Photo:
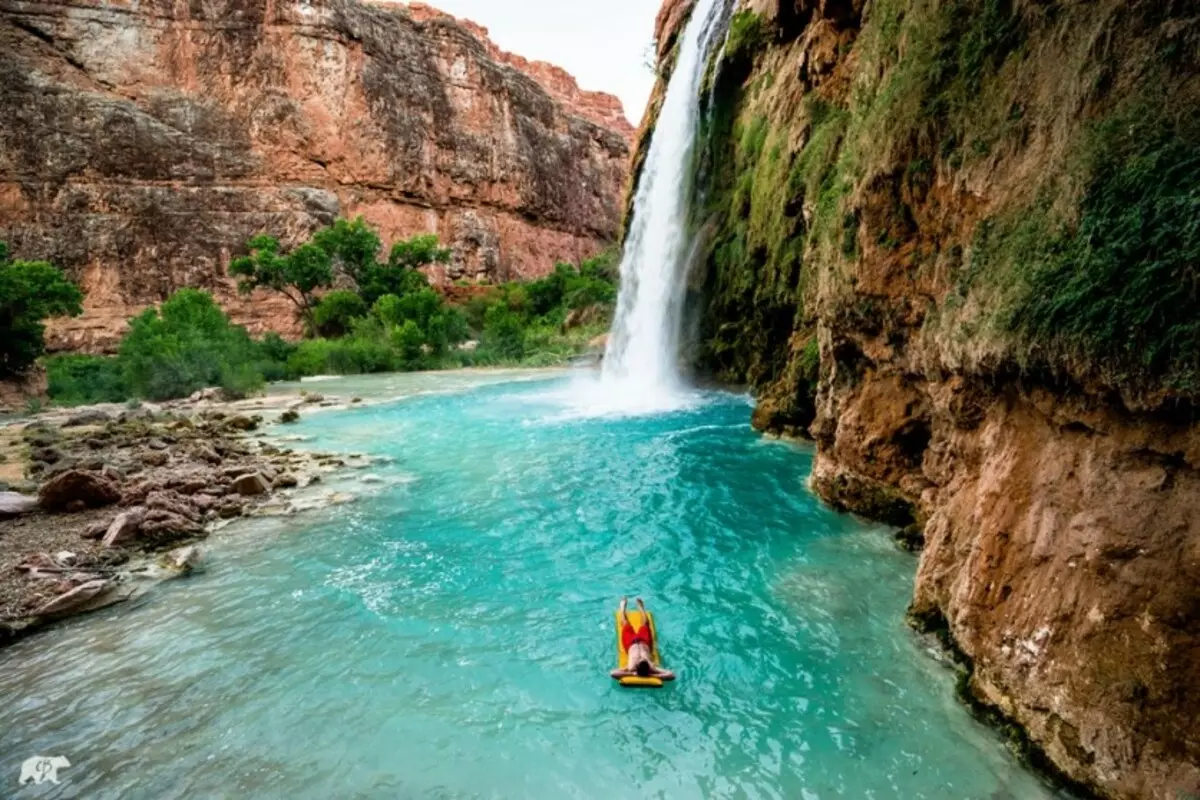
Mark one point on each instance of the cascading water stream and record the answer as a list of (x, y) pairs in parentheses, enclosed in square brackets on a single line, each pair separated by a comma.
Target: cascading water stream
[(641, 364)]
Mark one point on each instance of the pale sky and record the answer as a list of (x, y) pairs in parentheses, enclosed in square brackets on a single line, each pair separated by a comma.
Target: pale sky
[(605, 44)]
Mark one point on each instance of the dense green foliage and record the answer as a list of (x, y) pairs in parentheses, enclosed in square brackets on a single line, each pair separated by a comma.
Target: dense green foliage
[(298, 276), (748, 33), (79, 379), (30, 293), (391, 320), (354, 248), (185, 345), (336, 311), (1118, 289)]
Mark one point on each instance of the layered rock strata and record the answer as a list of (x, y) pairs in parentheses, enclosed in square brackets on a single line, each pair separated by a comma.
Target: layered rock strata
[(141, 144)]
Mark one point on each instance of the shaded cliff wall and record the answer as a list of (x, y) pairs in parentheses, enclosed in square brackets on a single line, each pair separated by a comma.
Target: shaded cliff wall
[(141, 144), (955, 243)]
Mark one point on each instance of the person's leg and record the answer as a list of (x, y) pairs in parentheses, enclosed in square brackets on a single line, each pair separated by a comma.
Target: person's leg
[(646, 630)]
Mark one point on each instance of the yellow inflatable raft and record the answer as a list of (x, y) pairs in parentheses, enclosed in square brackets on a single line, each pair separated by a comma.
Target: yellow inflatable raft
[(635, 619)]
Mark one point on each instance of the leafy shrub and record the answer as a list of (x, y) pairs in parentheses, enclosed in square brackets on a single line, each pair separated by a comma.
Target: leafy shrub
[(30, 292), (503, 333), (409, 340), (80, 379), (335, 312), (187, 344)]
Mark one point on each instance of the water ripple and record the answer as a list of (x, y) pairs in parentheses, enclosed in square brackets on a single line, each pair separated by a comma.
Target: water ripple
[(451, 637)]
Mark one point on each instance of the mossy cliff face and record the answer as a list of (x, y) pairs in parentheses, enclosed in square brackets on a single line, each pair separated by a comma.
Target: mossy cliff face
[(955, 242)]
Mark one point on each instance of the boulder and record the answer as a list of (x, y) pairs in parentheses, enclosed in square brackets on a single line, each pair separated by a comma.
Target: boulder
[(174, 502), (82, 598), (137, 494), (97, 529), (314, 398), (231, 507), (251, 485), (207, 454), (210, 395), (156, 458), (243, 423), (286, 481), (88, 488), (124, 529), (184, 559), (13, 504), (40, 435), (90, 417), (46, 455), (163, 526)]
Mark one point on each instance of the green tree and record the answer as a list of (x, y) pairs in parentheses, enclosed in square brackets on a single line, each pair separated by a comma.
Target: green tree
[(353, 246), (409, 340), (30, 293), (335, 312), (546, 294), (504, 333), (402, 274), (186, 345), (297, 276)]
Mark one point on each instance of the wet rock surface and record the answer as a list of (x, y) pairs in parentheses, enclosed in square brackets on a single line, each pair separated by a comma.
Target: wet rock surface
[(140, 483)]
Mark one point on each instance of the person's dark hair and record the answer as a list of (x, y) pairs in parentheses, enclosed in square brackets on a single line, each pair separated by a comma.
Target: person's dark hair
[(643, 669)]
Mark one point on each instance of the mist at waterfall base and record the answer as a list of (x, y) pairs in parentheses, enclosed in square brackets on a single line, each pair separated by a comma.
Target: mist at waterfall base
[(640, 372), (450, 633)]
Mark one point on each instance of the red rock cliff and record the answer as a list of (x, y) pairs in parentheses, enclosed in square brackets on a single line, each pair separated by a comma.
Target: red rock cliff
[(954, 242), (141, 144)]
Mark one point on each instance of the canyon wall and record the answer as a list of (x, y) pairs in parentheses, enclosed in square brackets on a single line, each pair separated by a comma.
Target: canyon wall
[(142, 144), (955, 243)]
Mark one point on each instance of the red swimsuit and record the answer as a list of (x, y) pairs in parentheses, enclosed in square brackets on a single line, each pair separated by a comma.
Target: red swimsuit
[(629, 636)]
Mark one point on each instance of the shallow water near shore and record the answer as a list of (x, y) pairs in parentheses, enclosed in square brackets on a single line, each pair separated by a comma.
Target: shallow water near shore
[(450, 634)]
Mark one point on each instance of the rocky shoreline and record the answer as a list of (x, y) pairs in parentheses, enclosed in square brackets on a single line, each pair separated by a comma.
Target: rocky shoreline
[(99, 504)]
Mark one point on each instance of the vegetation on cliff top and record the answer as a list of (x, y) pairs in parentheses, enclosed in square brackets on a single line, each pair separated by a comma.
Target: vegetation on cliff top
[(1090, 269), (1118, 287)]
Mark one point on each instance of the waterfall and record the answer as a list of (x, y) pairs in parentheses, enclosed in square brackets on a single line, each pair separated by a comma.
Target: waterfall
[(642, 361)]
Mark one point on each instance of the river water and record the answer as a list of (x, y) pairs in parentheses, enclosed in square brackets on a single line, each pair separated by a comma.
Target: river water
[(449, 634)]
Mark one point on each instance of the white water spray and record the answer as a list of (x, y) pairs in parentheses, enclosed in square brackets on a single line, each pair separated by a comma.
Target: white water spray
[(641, 367)]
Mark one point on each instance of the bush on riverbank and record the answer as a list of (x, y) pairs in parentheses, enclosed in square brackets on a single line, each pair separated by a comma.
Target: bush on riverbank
[(185, 345), (30, 293), (190, 343)]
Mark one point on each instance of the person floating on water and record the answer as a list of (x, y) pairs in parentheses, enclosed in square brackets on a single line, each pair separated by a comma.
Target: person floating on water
[(639, 644)]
